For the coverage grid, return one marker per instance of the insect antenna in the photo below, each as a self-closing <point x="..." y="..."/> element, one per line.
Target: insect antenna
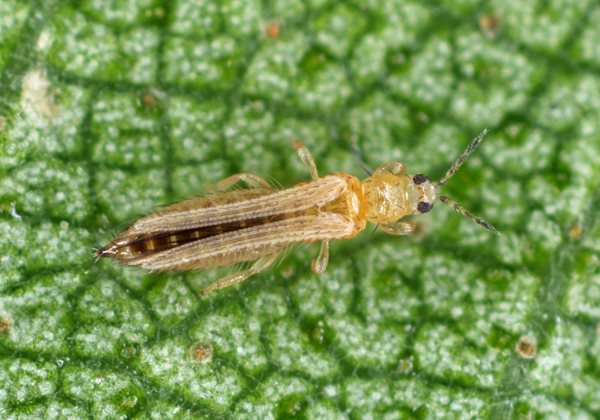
<point x="455" y="166"/>
<point x="466" y="213"/>
<point x="365" y="168"/>
<point x="361" y="161"/>
<point x="461" y="159"/>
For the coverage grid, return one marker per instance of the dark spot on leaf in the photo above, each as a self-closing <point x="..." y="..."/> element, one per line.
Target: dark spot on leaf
<point x="526" y="347"/>
<point x="489" y="24"/>
<point x="129" y="352"/>
<point x="201" y="353"/>
<point x="273" y="29"/>
<point x="575" y="231"/>
<point x="151" y="100"/>
<point x="5" y="325"/>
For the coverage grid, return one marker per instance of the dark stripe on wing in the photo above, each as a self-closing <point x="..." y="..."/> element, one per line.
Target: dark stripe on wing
<point x="144" y="245"/>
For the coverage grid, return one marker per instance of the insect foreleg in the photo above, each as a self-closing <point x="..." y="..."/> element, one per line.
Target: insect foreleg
<point x="398" y="228"/>
<point x="307" y="158"/>
<point x="319" y="264"/>
<point x="259" y="265"/>
<point x="251" y="179"/>
<point x="395" y="168"/>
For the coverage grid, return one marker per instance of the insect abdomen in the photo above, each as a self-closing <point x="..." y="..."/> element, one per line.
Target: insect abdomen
<point x="128" y="249"/>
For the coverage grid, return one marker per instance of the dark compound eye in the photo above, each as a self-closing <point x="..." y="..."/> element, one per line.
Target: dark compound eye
<point x="424" y="206"/>
<point x="420" y="178"/>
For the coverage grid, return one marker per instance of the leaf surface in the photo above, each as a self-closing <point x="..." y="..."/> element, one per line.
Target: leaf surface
<point x="111" y="109"/>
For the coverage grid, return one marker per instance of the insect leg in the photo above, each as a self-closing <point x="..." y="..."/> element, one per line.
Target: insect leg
<point x="395" y="168"/>
<point x="250" y="179"/>
<point x="259" y="265"/>
<point x="319" y="264"/>
<point x="307" y="158"/>
<point x="399" y="228"/>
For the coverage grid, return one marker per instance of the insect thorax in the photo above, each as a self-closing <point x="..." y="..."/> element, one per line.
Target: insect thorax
<point x="388" y="197"/>
<point x="350" y="203"/>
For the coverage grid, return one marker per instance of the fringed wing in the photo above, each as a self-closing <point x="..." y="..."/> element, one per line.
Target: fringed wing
<point x="247" y="244"/>
<point x="220" y="208"/>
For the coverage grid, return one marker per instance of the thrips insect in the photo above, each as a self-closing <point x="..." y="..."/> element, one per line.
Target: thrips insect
<point x="258" y="223"/>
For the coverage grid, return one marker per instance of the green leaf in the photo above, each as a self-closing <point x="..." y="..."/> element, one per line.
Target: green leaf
<point x="111" y="109"/>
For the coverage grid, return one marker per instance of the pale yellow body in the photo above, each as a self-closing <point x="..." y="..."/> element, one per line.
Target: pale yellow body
<point x="257" y="223"/>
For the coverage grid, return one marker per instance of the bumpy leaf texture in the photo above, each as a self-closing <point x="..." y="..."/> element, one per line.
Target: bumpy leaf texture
<point x="110" y="109"/>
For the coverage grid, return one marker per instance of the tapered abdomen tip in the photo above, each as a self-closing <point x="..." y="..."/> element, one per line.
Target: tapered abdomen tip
<point x="107" y="251"/>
